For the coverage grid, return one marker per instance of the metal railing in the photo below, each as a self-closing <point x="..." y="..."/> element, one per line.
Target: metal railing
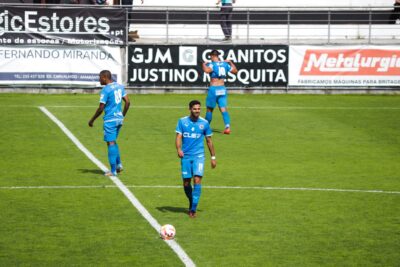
<point x="258" y="25"/>
<point x="285" y="25"/>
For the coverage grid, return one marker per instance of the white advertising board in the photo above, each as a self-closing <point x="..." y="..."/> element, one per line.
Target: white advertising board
<point x="61" y="65"/>
<point x="358" y="66"/>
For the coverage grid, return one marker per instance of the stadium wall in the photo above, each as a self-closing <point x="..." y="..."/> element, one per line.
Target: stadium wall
<point x="177" y="68"/>
<point x="67" y="55"/>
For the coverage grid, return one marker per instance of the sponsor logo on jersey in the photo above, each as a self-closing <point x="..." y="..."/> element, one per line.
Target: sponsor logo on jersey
<point x="191" y="135"/>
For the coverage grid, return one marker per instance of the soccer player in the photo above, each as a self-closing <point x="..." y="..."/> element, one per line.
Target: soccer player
<point x="111" y="97"/>
<point x="190" y="133"/>
<point x="217" y="92"/>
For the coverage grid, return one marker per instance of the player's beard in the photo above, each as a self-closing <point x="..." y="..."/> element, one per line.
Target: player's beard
<point x="194" y="115"/>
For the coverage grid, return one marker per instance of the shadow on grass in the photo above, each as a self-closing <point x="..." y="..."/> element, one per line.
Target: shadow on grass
<point x="94" y="171"/>
<point x="172" y="209"/>
<point x="217" y="131"/>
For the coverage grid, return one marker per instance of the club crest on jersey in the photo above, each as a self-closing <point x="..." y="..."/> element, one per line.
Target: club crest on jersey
<point x="201" y="126"/>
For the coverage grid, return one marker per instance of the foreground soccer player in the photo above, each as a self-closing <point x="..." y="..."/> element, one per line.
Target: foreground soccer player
<point x="217" y="92"/>
<point x="190" y="133"/>
<point x="111" y="97"/>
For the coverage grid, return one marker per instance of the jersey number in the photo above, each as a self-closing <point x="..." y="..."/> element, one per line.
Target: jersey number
<point x="221" y="72"/>
<point x="118" y="96"/>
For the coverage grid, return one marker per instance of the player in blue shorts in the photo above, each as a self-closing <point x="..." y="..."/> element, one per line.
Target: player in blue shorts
<point x="217" y="93"/>
<point x="190" y="133"/>
<point x="111" y="97"/>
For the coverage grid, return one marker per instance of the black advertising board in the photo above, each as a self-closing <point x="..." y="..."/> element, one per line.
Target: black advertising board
<point x="180" y="65"/>
<point x="53" y="25"/>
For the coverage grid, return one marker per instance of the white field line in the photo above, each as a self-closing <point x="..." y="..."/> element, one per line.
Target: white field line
<point x="207" y="187"/>
<point x="135" y="202"/>
<point x="237" y="107"/>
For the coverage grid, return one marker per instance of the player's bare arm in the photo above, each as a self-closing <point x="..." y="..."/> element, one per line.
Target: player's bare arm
<point x="127" y="104"/>
<point x="96" y="114"/>
<point x="206" y="69"/>
<point x="212" y="151"/>
<point x="233" y="66"/>
<point x="178" y="144"/>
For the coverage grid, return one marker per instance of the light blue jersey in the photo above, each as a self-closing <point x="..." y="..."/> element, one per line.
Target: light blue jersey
<point x="111" y="95"/>
<point x="220" y="69"/>
<point x="224" y="2"/>
<point x="193" y="133"/>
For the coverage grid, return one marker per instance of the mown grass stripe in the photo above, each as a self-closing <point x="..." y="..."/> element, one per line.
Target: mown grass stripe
<point x="375" y="191"/>
<point x="135" y="202"/>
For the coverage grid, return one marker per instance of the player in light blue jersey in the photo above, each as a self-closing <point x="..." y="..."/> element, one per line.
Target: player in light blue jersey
<point x="111" y="97"/>
<point x="217" y="93"/>
<point x="190" y="133"/>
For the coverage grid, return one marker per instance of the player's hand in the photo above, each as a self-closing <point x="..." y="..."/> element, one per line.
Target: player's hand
<point x="213" y="163"/>
<point x="90" y="123"/>
<point x="180" y="153"/>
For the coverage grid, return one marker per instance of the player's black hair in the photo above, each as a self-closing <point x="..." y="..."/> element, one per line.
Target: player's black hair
<point x="106" y="73"/>
<point x="215" y="52"/>
<point x="194" y="102"/>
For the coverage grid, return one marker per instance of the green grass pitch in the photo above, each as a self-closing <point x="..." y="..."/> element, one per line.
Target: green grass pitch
<point x="277" y="141"/>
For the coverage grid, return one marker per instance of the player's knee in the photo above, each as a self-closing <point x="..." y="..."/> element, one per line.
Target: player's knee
<point x="197" y="179"/>
<point x="111" y="143"/>
<point x="186" y="182"/>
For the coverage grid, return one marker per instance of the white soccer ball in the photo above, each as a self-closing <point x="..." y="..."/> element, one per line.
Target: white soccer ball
<point x="167" y="232"/>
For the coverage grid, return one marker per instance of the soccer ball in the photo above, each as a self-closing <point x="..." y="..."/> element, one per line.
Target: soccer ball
<point x="167" y="232"/>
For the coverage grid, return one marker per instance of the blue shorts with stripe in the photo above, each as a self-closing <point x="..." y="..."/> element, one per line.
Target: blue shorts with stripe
<point x="111" y="130"/>
<point x="192" y="166"/>
<point x="217" y="95"/>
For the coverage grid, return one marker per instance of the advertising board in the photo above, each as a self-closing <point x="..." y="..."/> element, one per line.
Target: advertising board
<point x="61" y="26"/>
<point x="357" y="66"/>
<point x="181" y="65"/>
<point x="58" y="64"/>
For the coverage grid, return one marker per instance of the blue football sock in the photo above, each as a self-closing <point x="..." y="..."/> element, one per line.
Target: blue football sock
<point x="112" y="157"/>
<point x="118" y="156"/>
<point x="188" y="192"/>
<point x="196" y="196"/>
<point x="227" y="119"/>
<point x="209" y="116"/>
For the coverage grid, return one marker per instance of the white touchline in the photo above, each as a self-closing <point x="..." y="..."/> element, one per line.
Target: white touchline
<point x="374" y="191"/>
<point x="135" y="202"/>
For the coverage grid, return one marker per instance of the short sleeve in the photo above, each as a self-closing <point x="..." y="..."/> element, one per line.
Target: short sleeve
<point x="178" y="128"/>
<point x="124" y="93"/>
<point x="207" y="130"/>
<point x="103" y="96"/>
